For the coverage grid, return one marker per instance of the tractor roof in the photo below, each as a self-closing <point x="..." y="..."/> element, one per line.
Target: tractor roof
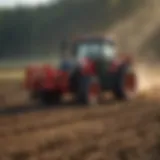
<point x="93" y="37"/>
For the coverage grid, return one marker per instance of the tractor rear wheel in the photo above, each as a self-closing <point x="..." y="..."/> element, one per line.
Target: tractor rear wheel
<point x="125" y="84"/>
<point x="88" y="91"/>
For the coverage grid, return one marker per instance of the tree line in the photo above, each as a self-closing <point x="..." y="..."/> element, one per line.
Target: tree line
<point x="28" y="30"/>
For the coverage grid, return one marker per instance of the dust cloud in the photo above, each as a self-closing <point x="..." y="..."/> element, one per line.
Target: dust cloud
<point x="148" y="76"/>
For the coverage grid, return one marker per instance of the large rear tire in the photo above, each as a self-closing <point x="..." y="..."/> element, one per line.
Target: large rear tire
<point x="125" y="84"/>
<point x="88" y="91"/>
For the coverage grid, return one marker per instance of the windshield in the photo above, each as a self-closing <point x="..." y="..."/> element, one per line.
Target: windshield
<point x="109" y="51"/>
<point x="88" y="50"/>
<point x="106" y="51"/>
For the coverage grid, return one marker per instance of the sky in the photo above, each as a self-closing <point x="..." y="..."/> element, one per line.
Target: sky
<point x="11" y="3"/>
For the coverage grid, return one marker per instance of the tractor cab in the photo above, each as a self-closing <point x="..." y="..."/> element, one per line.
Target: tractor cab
<point x="97" y="49"/>
<point x="94" y="49"/>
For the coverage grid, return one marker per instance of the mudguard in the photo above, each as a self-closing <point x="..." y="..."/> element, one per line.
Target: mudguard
<point x="120" y="61"/>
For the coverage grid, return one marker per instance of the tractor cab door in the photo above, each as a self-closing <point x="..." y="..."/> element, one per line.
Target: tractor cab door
<point x="103" y="64"/>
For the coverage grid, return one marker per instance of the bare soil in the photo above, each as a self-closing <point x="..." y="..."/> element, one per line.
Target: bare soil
<point x="113" y="131"/>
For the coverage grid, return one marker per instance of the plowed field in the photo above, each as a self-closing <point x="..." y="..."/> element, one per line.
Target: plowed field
<point x="112" y="131"/>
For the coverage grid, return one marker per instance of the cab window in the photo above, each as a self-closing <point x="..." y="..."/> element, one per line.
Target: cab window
<point x="108" y="51"/>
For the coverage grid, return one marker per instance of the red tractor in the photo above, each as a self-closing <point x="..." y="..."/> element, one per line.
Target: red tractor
<point x="95" y="68"/>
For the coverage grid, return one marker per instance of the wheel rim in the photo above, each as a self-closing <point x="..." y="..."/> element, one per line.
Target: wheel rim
<point x="93" y="94"/>
<point x="130" y="85"/>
